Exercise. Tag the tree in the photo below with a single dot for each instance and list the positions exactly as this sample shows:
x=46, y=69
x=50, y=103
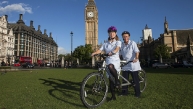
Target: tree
x=66, y=57
x=83, y=53
x=162, y=51
x=60, y=56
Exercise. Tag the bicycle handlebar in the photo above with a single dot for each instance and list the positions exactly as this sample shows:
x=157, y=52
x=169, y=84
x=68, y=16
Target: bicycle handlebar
x=123, y=64
x=102, y=55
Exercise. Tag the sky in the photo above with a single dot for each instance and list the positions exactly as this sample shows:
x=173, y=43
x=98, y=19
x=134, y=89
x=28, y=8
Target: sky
x=60, y=17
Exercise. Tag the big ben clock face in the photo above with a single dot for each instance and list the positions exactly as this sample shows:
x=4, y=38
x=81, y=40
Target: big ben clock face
x=90, y=14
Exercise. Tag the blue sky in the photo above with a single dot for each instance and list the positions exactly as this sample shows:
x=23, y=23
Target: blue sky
x=63, y=16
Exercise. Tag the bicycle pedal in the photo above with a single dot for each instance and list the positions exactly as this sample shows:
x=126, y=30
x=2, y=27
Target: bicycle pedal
x=117, y=87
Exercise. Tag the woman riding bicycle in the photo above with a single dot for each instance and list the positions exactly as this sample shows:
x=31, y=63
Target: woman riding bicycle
x=112, y=47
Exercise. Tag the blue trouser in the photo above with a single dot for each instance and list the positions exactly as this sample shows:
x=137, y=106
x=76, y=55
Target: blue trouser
x=135, y=78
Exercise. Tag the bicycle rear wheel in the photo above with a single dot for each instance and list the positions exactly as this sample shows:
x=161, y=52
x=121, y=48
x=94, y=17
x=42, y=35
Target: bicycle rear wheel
x=94, y=90
x=142, y=80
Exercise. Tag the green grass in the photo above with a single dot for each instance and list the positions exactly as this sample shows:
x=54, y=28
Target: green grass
x=59, y=89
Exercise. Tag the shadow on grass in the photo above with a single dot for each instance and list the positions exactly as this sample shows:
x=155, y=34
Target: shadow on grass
x=187, y=71
x=67, y=88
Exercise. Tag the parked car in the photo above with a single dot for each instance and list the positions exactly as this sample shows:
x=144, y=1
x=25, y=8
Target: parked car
x=27, y=65
x=177, y=65
x=48, y=64
x=187, y=64
x=160, y=65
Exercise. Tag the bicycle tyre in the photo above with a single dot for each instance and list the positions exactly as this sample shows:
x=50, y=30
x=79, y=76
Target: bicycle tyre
x=97, y=87
x=142, y=80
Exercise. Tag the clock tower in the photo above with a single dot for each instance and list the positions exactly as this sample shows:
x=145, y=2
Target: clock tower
x=91, y=24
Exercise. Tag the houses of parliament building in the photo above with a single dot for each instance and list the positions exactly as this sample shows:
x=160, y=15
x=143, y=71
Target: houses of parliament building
x=23, y=40
x=180, y=42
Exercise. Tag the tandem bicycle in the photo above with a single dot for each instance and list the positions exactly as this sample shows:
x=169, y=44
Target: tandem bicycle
x=94, y=87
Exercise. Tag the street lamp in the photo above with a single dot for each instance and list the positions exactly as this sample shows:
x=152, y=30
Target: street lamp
x=71, y=41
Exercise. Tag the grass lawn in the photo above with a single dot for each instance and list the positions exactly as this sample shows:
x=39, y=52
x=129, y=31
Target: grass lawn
x=59, y=89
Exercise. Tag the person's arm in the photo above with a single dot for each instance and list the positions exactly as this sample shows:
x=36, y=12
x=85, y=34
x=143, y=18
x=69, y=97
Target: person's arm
x=136, y=50
x=136, y=57
x=114, y=51
x=97, y=52
x=118, y=45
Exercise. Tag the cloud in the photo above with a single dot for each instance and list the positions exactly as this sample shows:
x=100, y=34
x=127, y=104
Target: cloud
x=4, y=2
x=61, y=50
x=20, y=7
x=38, y=7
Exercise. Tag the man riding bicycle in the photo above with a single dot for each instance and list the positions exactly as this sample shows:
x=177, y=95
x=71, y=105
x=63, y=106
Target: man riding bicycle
x=130, y=52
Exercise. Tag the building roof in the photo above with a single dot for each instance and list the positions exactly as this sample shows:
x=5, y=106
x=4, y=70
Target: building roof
x=146, y=27
x=91, y=3
x=182, y=36
x=20, y=26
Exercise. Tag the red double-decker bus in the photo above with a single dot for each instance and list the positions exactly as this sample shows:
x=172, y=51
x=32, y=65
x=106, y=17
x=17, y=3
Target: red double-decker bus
x=40, y=62
x=24, y=59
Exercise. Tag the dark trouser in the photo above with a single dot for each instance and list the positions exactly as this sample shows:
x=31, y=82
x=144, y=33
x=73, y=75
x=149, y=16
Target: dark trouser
x=135, y=77
x=112, y=85
x=112, y=88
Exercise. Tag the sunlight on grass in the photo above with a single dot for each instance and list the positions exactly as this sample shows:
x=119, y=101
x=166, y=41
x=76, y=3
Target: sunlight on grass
x=59, y=89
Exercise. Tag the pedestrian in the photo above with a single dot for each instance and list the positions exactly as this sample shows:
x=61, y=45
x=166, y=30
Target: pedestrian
x=130, y=52
x=66, y=64
x=3, y=63
x=70, y=64
x=112, y=47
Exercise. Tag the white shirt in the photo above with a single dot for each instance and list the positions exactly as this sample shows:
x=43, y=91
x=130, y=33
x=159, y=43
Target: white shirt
x=109, y=47
x=128, y=52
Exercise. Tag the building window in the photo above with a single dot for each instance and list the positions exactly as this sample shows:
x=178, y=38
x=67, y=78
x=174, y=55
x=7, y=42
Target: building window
x=15, y=53
x=16, y=41
x=22, y=35
x=21, y=53
x=22, y=46
x=22, y=41
x=15, y=47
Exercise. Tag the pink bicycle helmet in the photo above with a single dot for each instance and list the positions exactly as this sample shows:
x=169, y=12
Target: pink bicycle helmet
x=112, y=29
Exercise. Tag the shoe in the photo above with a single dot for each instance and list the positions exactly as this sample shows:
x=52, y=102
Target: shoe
x=137, y=96
x=112, y=99
x=123, y=95
x=118, y=85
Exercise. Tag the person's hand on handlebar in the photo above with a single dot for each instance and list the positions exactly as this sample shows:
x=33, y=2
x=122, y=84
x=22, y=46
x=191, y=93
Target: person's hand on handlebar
x=109, y=54
x=135, y=60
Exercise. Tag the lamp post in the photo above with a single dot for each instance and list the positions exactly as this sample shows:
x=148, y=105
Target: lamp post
x=71, y=41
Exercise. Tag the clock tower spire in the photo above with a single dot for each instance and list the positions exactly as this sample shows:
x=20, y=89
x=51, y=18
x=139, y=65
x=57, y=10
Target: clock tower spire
x=91, y=24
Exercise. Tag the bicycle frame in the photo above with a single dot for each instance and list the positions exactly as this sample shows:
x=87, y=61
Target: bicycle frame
x=104, y=69
x=94, y=88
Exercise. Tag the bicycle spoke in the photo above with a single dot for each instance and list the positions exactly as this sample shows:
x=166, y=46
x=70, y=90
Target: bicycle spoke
x=142, y=80
x=94, y=90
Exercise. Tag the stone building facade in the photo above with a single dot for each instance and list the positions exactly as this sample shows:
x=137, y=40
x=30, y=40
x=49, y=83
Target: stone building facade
x=180, y=43
x=33, y=43
x=7, y=41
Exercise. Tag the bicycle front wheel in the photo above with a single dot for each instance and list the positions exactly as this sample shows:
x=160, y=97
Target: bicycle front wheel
x=94, y=90
x=142, y=80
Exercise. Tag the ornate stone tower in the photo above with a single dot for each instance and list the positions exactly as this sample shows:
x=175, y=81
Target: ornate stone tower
x=166, y=28
x=91, y=24
x=147, y=33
